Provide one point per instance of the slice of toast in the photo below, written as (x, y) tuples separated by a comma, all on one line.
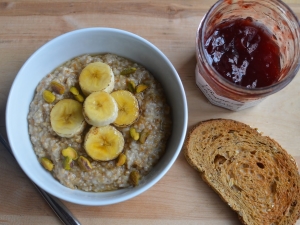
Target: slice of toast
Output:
[(252, 173)]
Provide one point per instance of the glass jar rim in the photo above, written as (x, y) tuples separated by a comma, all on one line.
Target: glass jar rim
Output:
[(238, 88)]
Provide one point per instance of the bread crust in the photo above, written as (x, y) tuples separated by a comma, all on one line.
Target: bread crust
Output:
[(252, 173)]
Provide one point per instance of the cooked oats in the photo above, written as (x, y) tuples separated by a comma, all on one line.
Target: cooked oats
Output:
[(154, 118)]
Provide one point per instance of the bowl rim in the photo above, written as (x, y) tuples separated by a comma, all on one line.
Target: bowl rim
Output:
[(123, 192)]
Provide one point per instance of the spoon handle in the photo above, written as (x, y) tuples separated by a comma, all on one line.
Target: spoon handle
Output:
[(57, 206)]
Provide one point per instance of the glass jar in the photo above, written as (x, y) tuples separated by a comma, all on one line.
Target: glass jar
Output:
[(279, 19)]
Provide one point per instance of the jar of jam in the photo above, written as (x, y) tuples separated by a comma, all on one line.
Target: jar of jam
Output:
[(246, 50)]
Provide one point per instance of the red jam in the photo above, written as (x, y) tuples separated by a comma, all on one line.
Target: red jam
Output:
[(244, 53)]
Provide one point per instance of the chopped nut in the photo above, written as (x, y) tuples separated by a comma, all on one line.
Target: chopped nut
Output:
[(79, 98), (121, 159), (231, 182), (68, 163), (84, 164), (70, 152), (143, 136), (48, 96), (140, 88), (131, 86), (134, 134), (128, 71), (47, 164), (74, 91), (135, 177), (57, 87)]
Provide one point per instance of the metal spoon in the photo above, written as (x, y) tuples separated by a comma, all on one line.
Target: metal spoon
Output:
[(57, 206)]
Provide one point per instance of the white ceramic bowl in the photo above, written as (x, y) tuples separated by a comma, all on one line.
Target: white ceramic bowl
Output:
[(64, 48)]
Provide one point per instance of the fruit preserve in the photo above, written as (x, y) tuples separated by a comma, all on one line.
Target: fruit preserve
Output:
[(244, 53), (246, 50)]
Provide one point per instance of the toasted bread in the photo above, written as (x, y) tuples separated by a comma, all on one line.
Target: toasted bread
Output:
[(252, 173)]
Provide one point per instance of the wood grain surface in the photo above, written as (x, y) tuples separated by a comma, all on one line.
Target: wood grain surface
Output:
[(180, 197)]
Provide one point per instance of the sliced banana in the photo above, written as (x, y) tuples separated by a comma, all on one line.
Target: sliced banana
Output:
[(100, 109), (66, 118), (128, 108), (96, 76), (104, 143)]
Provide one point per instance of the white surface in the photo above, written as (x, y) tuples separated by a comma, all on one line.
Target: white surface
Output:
[(63, 48)]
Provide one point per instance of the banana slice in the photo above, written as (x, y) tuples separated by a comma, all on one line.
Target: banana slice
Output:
[(128, 108), (100, 109), (104, 143), (66, 118), (96, 76)]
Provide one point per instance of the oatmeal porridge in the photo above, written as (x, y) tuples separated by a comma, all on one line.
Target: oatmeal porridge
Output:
[(145, 140)]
